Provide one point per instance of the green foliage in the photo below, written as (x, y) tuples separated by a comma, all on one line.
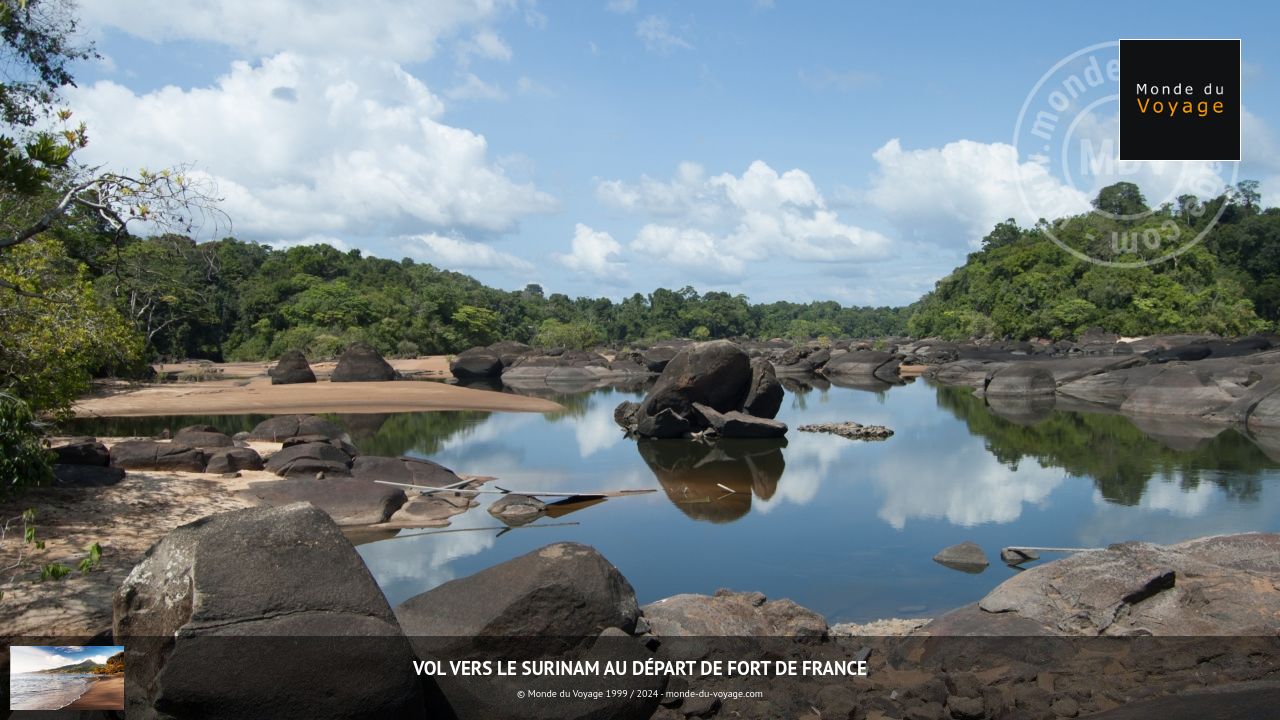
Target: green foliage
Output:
[(92, 557), (573, 335), (1022, 286), (54, 571), (55, 329), (23, 459)]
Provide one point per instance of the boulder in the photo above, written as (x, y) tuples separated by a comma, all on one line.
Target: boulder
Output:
[(1020, 380), (411, 471), (275, 587), (292, 368), (478, 362), (65, 475), (1110, 388), (864, 362), (1265, 414), (1181, 390), (339, 443), (1185, 353), (1216, 586), (716, 374), (666, 425), (850, 430), (764, 398), (346, 500), (283, 427), (361, 363), (625, 415), (309, 458), (517, 509), (508, 351), (199, 436), (965, 557), (732, 614), (152, 455), (564, 594), (229, 460), (734, 424), (82, 451), (656, 358)]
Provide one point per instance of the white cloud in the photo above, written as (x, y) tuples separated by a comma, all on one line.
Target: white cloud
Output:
[(456, 253), (656, 32), (593, 253), (719, 224), (960, 191), (621, 6), (350, 147), (384, 29), (473, 88), (485, 44)]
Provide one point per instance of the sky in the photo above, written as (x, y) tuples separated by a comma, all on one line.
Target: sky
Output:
[(33, 658), (784, 150)]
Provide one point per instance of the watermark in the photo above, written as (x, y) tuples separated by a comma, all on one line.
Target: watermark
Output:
[(1066, 141)]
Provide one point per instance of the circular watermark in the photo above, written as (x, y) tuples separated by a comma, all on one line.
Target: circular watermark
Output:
[(1067, 151)]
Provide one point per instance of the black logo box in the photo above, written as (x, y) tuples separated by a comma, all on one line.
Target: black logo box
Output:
[(1185, 67)]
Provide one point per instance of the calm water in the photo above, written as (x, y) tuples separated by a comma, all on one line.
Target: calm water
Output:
[(844, 527), (35, 691)]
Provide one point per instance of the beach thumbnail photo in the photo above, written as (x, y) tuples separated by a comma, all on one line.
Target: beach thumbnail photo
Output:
[(71, 677)]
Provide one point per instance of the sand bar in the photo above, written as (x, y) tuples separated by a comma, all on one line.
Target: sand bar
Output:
[(259, 397), (104, 694)]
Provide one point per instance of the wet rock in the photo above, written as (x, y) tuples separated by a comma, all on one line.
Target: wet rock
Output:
[(1184, 353), (361, 363), (508, 351), (716, 374), (478, 362), (339, 443), (283, 427), (1184, 391), (82, 451), (656, 358), (1018, 556), (764, 399), (347, 501), (517, 509), (1110, 388), (864, 362), (565, 593), (230, 460), (965, 557), (152, 455), (252, 574), (86, 475), (625, 415), (291, 369), (1021, 379), (731, 614), (736, 425), (665, 425), (850, 430)]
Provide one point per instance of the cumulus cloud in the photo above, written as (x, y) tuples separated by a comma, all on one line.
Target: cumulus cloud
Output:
[(348, 147), (486, 44), (719, 224), (455, 253), (405, 31), (960, 191), (656, 32), (592, 253), (473, 88)]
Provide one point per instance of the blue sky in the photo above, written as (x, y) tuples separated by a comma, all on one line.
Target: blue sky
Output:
[(32, 658), (609, 147)]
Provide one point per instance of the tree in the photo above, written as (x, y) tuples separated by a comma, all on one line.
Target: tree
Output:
[(1123, 199)]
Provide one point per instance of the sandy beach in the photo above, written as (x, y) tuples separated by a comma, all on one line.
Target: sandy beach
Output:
[(244, 388), (104, 694)]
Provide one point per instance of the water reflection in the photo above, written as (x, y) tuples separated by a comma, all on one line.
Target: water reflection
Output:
[(715, 482)]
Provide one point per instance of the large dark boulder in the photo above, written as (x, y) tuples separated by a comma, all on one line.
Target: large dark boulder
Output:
[(283, 427), (656, 358), (764, 398), (1021, 380), (478, 362), (1184, 353), (361, 363), (261, 613), (564, 593), (152, 455), (737, 425), (508, 351), (306, 459), (864, 362), (410, 471), (346, 500), (666, 425), (716, 374), (202, 436), (291, 369), (229, 460), (82, 451)]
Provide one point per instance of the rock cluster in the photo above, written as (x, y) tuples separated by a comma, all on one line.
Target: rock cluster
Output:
[(712, 388), (850, 430)]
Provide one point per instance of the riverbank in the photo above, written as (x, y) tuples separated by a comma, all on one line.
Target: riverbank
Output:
[(259, 396), (104, 694)]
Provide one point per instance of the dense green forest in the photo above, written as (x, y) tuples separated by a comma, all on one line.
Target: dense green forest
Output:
[(1020, 285)]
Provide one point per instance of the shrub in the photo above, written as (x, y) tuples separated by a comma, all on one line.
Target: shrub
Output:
[(23, 459)]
